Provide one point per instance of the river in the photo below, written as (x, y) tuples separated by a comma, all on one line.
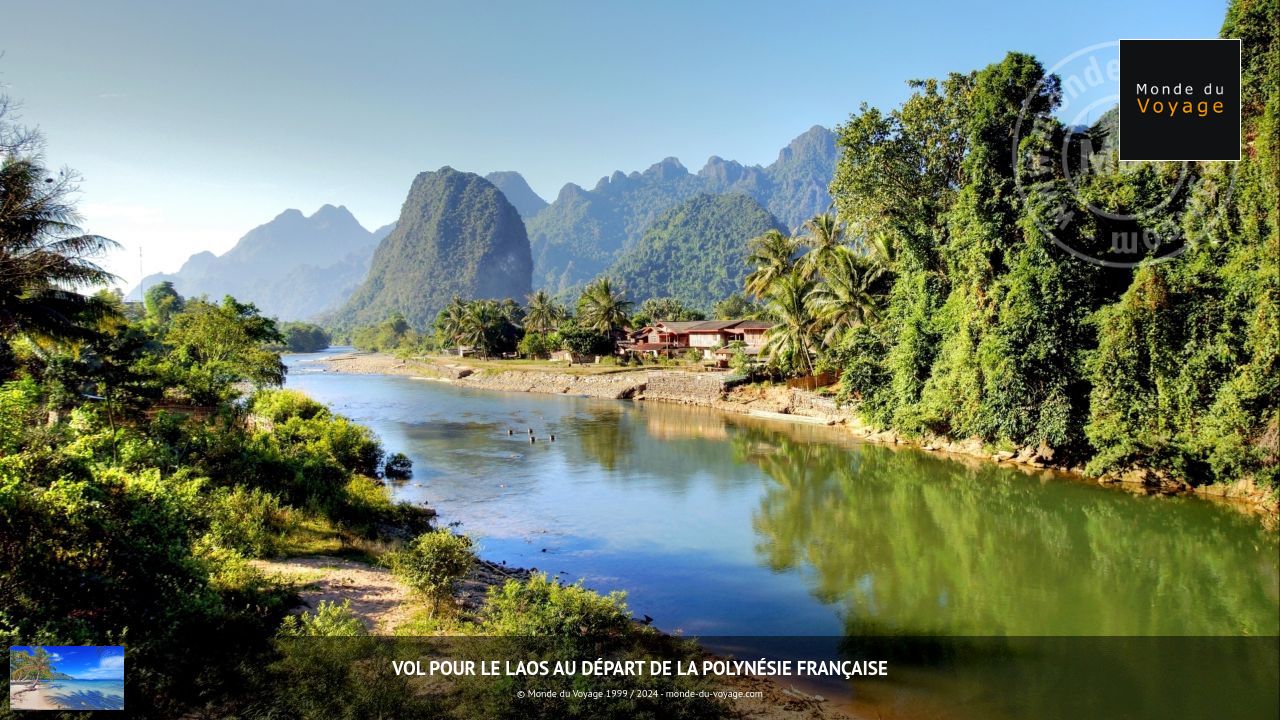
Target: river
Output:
[(718, 525)]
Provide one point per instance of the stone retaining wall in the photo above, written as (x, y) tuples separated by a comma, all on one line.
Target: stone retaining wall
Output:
[(688, 388), (617, 386)]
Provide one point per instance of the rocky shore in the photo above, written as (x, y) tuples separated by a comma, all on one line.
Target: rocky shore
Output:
[(709, 389)]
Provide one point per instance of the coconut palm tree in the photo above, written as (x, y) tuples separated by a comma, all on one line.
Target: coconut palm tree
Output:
[(823, 235), (602, 307), (35, 665), (773, 255), (45, 256), (793, 331), (846, 297), (543, 313), (482, 324), (450, 320)]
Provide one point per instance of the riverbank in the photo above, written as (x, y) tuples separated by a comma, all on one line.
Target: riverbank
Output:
[(387, 607), (776, 402)]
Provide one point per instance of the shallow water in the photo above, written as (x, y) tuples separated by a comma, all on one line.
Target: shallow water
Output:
[(718, 524)]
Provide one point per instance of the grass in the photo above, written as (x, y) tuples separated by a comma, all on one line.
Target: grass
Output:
[(319, 536)]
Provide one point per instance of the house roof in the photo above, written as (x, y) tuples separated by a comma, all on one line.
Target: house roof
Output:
[(711, 326)]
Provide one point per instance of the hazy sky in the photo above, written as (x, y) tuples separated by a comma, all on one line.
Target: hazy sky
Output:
[(193, 122)]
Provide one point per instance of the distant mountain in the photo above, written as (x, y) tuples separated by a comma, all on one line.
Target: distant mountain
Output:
[(293, 267), (695, 251), (457, 235), (512, 184), (583, 231)]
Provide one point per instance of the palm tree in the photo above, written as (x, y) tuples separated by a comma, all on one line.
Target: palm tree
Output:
[(846, 296), (45, 257), (602, 307), (792, 333), (481, 325), (543, 313), (451, 318), (773, 255), (34, 665), (823, 235)]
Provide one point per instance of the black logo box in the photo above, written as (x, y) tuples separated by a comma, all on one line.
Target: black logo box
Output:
[(1177, 72)]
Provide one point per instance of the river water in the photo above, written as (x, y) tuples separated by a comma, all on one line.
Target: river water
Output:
[(724, 525)]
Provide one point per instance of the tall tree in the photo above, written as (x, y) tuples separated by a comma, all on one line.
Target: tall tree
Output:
[(543, 313), (823, 236), (773, 256), (162, 302), (847, 297), (789, 343), (45, 257), (602, 307)]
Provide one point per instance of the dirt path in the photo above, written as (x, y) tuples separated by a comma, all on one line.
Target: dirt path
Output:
[(377, 597), (383, 603)]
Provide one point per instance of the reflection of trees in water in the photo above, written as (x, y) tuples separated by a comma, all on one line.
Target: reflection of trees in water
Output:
[(909, 543), (667, 444)]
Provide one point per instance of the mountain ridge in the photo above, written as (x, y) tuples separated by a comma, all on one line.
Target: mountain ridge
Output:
[(582, 232), (293, 266)]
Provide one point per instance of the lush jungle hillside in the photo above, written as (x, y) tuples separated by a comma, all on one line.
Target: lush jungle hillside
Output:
[(457, 236), (293, 267), (694, 252), (583, 231), (988, 329)]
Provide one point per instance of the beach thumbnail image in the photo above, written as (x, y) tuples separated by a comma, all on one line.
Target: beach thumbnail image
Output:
[(66, 677)]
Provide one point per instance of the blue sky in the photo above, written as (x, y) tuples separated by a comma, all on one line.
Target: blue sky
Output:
[(85, 662), (193, 122)]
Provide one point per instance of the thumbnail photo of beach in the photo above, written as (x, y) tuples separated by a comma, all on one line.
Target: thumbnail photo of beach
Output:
[(66, 677)]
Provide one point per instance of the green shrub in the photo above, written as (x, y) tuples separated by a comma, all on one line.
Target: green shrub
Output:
[(398, 466), (280, 405), (543, 607), (248, 520), (433, 562), (329, 619)]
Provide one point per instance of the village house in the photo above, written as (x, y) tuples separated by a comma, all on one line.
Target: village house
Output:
[(710, 337)]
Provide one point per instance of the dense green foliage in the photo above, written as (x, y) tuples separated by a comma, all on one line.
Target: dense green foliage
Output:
[(434, 562), (694, 251), (300, 337), (584, 231), (457, 236), (984, 328), (127, 524)]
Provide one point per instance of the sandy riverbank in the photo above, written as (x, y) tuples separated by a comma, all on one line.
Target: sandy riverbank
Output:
[(765, 401)]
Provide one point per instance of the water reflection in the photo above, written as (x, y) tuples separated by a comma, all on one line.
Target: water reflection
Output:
[(906, 543)]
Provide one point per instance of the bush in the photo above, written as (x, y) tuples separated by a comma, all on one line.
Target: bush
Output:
[(353, 446), (581, 341), (280, 405), (543, 607), (398, 466), (329, 619), (433, 562), (248, 520), (536, 345)]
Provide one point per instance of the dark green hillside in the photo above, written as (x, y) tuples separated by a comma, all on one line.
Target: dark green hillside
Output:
[(457, 235), (695, 252), (583, 231)]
